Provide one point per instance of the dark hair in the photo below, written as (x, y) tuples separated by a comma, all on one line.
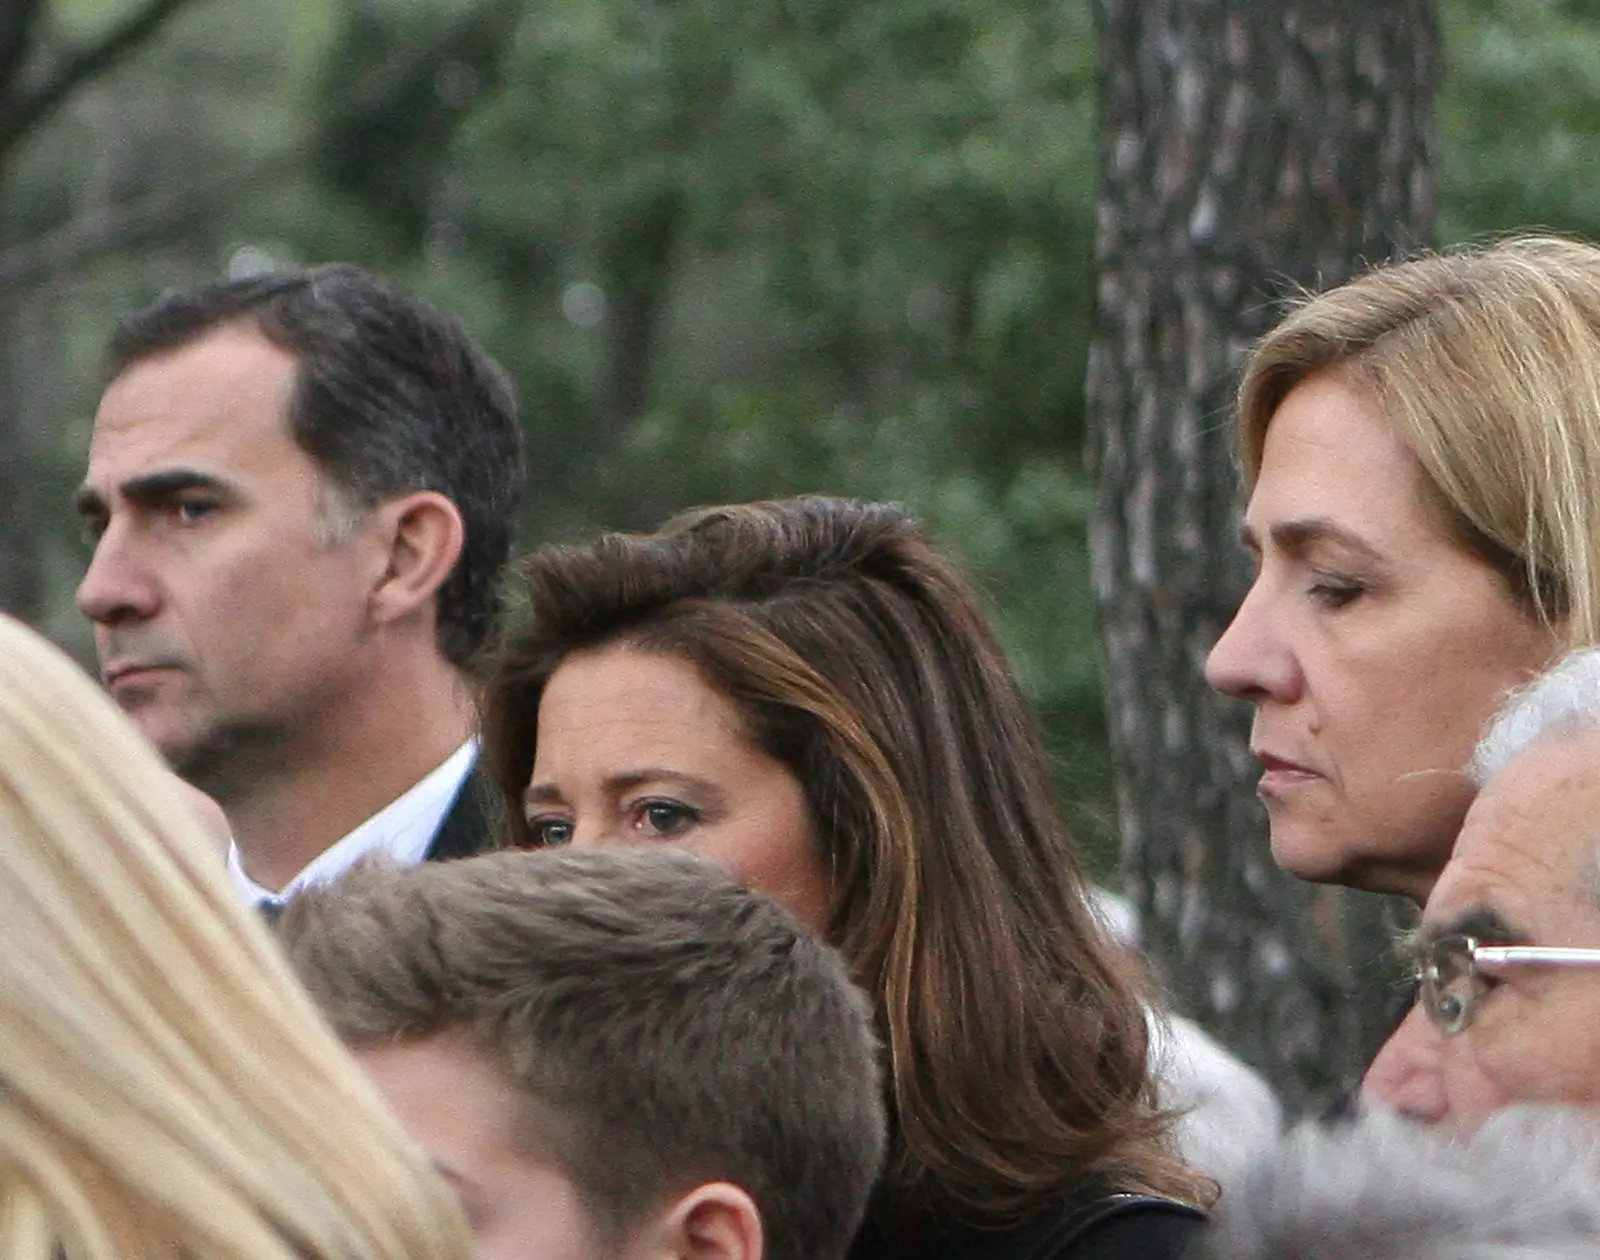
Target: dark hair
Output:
[(667, 1026), (391, 396), (860, 660)]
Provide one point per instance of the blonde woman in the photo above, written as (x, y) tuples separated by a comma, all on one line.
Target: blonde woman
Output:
[(165, 1087), (1422, 451)]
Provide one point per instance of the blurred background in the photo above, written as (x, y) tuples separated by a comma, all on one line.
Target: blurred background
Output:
[(727, 248)]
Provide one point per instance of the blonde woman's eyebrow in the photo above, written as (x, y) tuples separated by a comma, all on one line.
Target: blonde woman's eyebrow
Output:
[(1297, 537)]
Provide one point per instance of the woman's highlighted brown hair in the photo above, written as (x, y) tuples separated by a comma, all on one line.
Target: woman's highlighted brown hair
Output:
[(860, 660)]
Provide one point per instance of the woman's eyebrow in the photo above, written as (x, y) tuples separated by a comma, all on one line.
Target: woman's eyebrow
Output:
[(1299, 536), (541, 794), (626, 781), (548, 793)]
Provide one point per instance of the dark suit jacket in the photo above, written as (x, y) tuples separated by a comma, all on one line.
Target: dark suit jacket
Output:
[(1088, 1224), (474, 821), (471, 825)]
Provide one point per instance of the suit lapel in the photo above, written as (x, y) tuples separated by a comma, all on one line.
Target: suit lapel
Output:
[(472, 824)]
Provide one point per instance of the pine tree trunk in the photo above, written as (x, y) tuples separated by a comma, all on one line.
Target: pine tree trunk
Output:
[(24, 520), (1247, 147), (43, 68)]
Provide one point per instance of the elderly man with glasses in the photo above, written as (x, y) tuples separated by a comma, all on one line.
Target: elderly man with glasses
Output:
[(1508, 954)]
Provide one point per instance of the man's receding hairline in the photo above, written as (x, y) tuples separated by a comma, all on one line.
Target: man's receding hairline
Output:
[(244, 325)]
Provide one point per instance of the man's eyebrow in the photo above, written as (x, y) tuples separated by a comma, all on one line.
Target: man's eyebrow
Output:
[(153, 487), (1482, 923)]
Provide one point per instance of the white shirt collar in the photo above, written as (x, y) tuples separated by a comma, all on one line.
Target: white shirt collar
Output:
[(404, 828)]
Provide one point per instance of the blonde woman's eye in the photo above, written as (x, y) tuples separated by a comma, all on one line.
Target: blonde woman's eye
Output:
[(1336, 593)]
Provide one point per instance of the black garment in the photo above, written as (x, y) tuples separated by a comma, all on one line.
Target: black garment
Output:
[(473, 822), (471, 825), (1090, 1225)]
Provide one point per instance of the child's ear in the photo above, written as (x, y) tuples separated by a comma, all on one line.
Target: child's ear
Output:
[(716, 1221)]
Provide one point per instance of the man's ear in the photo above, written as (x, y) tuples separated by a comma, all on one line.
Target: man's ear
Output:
[(716, 1221), (424, 534)]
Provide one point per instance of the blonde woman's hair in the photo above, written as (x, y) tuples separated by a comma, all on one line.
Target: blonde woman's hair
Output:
[(1486, 361), (166, 1089)]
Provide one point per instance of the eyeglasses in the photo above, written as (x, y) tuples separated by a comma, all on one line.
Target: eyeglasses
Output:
[(1450, 973)]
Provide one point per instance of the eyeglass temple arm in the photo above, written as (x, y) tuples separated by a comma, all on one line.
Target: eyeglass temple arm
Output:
[(1543, 955)]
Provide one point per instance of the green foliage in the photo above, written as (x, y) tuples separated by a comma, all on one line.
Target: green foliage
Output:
[(1519, 117), (729, 248), (733, 250), (807, 235), (868, 231)]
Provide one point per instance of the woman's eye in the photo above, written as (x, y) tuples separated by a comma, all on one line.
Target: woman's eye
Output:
[(549, 831), (1333, 593), (664, 818)]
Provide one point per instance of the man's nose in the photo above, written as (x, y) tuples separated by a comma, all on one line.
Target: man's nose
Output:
[(118, 585), (1406, 1076)]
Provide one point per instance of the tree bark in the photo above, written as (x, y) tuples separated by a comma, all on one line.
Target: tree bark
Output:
[(39, 74), (1247, 148), (27, 106), (636, 260)]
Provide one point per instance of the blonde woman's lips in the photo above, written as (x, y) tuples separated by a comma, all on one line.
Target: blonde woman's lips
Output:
[(1280, 774)]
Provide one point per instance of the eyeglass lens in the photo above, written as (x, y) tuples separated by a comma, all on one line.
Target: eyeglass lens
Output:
[(1450, 983)]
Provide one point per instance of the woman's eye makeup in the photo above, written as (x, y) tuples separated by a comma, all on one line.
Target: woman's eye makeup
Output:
[(1334, 594), (1334, 589), (550, 831), (653, 817), (663, 817)]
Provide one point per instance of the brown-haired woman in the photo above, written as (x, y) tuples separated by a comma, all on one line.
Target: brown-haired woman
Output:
[(807, 691)]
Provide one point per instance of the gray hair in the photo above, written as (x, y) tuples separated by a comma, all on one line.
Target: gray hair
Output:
[(1525, 1187), (1564, 700)]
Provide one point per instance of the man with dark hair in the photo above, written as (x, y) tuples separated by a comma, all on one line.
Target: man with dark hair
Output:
[(302, 489), (610, 1053)]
